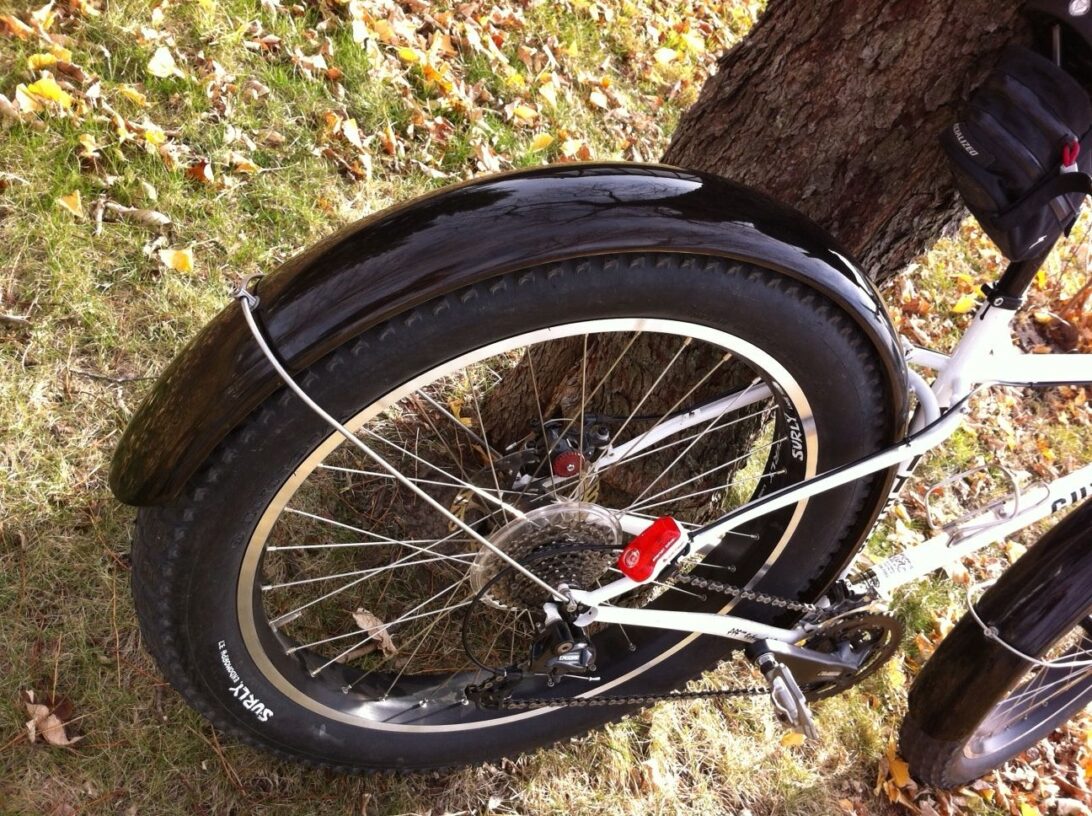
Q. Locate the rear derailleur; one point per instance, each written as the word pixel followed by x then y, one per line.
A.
pixel 562 649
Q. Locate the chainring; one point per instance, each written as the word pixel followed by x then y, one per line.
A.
pixel 874 634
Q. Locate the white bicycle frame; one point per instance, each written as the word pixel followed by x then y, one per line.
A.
pixel 984 357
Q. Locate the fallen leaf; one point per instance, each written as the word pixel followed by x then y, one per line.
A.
pixel 148 218
pixel 180 260
pixel 73 204
pixel 133 95
pixel 1027 809
pixel 599 99
pixel 36 62
pixel 965 304
pixel 45 723
pixel 154 134
pixel 541 142
pixel 48 89
pixel 525 113
pixel 900 771
pixel 664 56
pixel 376 629
pixel 408 55
pixel 241 164
pixel 792 739
pixel 162 64
pixel 351 131
pixel 16 27
pixel 201 172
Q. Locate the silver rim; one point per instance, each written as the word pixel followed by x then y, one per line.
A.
pixel 655 498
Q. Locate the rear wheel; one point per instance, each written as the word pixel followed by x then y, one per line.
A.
pixel 311 599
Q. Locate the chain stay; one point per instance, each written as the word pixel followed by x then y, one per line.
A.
pixel 490 694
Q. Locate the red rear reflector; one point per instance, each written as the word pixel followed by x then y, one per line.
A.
pixel 639 559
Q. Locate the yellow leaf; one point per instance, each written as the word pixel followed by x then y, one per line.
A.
pixel 385 31
pixel 162 63
pixel 60 52
pixel 180 260
pixel 525 113
pixel 599 99
pixel 245 166
pixel 409 55
pixel 792 739
pixel 47 88
pixel 900 771
pixel 38 61
pixel 516 80
pixel 72 203
pixel 1041 278
pixel 154 135
pixel 88 143
pixel 664 56
pixel 965 304
pixel 133 95
pixel 541 141
pixel 1027 809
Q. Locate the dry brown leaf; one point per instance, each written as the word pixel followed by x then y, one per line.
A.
pixel 253 90
pixel 201 172
pixel 376 629
pixel 15 27
pixel 148 218
pixel 45 723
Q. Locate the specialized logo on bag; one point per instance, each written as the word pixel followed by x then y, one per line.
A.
pixel 1079 8
pixel 963 141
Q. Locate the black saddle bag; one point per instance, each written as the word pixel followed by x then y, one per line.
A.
pixel 1022 153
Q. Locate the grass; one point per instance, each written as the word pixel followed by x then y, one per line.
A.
pixel 91 316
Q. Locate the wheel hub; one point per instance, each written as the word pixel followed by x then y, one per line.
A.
pixel 560 527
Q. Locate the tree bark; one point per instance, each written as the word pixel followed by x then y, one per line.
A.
pixel 835 108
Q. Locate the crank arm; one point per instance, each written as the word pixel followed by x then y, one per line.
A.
pixel 807 665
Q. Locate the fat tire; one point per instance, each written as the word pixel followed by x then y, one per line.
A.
pixel 1034 604
pixel 180 548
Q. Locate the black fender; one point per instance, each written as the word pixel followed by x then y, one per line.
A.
pixel 1045 594
pixel 401 257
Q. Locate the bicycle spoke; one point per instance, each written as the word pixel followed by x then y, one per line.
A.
pixel 387 626
pixel 707 491
pixel 711 470
pixel 689 447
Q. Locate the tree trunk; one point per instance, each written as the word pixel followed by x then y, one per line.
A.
pixel 835 108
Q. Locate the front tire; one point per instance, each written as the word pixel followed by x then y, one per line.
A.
pixel 976 705
pixel 200 562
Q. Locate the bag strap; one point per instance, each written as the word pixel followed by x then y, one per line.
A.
pixel 1041 196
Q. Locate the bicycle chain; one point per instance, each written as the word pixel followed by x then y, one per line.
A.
pixel 719 587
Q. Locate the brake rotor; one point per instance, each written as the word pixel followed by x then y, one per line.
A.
pixel 560 527
pixel 872 636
